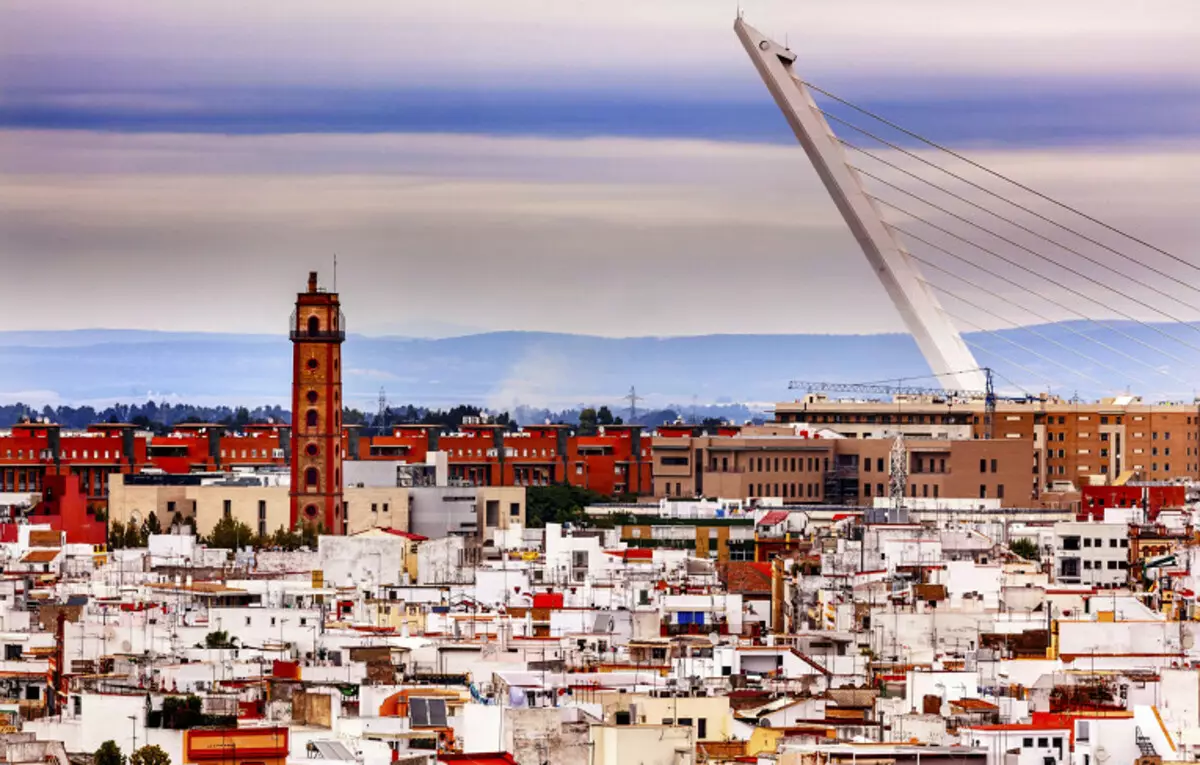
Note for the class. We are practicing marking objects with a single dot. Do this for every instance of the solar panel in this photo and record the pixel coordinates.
(437, 712)
(418, 712)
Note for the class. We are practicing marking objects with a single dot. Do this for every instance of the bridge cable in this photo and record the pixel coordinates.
(1030, 271)
(1003, 177)
(1052, 261)
(1016, 224)
(1047, 320)
(1020, 327)
(910, 235)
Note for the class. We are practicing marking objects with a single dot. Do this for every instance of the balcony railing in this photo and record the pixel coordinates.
(301, 331)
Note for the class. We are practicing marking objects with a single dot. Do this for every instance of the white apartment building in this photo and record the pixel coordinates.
(1089, 553)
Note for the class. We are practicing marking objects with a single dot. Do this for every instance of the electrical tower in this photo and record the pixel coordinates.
(632, 397)
(381, 418)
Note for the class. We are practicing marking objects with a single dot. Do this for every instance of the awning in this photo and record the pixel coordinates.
(773, 517)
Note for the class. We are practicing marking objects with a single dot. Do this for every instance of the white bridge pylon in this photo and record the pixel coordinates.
(948, 356)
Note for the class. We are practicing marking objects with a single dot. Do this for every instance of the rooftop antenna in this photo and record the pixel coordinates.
(335, 272)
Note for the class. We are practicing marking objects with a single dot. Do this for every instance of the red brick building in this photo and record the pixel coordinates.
(317, 331)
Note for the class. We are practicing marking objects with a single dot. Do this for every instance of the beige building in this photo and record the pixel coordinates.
(761, 463)
(262, 503)
(645, 744)
(1073, 441)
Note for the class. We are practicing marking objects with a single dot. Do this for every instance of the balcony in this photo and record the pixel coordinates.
(314, 333)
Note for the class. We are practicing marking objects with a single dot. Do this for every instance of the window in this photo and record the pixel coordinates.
(1043, 742)
(702, 728)
(982, 491)
(311, 477)
(993, 466)
(982, 465)
(310, 418)
(227, 507)
(999, 491)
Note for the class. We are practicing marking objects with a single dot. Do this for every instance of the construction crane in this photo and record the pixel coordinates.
(899, 387)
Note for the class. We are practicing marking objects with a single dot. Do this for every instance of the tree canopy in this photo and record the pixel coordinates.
(109, 754)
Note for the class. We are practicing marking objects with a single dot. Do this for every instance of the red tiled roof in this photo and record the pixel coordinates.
(975, 705)
(632, 553)
(395, 532)
(40, 556)
(746, 577)
(773, 517)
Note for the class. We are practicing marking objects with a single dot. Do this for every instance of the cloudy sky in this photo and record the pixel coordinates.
(613, 168)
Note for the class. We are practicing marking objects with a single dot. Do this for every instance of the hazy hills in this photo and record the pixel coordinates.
(503, 369)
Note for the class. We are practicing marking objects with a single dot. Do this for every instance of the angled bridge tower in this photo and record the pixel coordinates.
(948, 356)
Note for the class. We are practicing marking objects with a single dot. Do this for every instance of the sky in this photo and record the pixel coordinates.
(609, 168)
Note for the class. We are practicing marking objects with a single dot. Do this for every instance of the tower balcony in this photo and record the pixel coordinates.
(312, 331)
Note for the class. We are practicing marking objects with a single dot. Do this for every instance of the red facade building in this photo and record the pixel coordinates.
(1151, 497)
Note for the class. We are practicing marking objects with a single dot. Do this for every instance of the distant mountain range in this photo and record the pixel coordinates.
(506, 369)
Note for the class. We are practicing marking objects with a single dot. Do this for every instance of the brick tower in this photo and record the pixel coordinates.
(317, 331)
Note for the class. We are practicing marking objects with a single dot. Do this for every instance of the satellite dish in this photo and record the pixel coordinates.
(126, 647)
(1101, 754)
(1188, 640)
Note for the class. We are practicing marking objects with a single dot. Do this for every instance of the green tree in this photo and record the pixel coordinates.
(588, 422)
(219, 639)
(136, 535)
(230, 534)
(116, 535)
(152, 527)
(1026, 548)
(560, 503)
(108, 754)
(150, 755)
(604, 416)
(310, 534)
(288, 540)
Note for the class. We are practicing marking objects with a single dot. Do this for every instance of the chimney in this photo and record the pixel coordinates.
(312, 281)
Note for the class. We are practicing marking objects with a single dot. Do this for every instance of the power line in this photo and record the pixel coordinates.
(1005, 178)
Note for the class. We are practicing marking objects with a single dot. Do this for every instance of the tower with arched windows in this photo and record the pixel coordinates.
(317, 330)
